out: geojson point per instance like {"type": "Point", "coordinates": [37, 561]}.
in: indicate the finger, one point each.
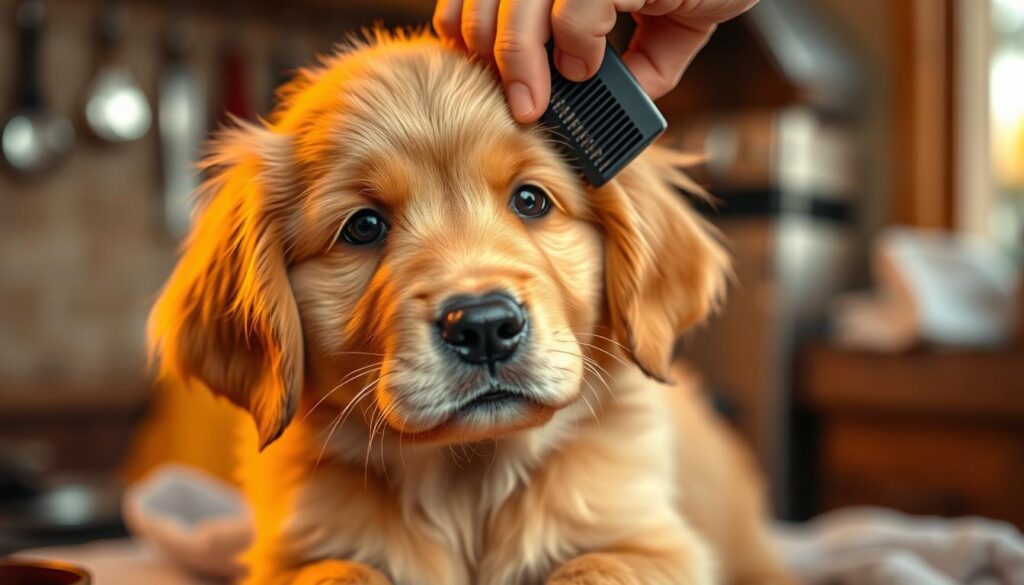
{"type": "Point", "coordinates": [579, 28]}
{"type": "Point", "coordinates": [479, 21]}
{"type": "Point", "coordinates": [523, 28]}
{"type": "Point", "coordinates": [448, 19]}
{"type": "Point", "coordinates": [661, 7]}
{"type": "Point", "coordinates": [661, 49]}
{"type": "Point", "coordinates": [697, 12]}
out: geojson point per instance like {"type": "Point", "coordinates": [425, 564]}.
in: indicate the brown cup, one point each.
{"type": "Point", "coordinates": [33, 572]}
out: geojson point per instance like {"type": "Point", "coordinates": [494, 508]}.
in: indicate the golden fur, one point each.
{"type": "Point", "coordinates": [356, 474]}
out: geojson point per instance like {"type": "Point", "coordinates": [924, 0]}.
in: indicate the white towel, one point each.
{"type": "Point", "coordinates": [873, 546]}
{"type": "Point", "coordinates": [938, 287]}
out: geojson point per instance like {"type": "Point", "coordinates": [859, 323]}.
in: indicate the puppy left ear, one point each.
{"type": "Point", "coordinates": [227, 317]}
{"type": "Point", "coordinates": [664, 269]}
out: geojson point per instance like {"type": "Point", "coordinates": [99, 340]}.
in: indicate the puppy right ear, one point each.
{"type": "Point", "coordinates": [664, 268]}
{"type": "Point", "coordinates": [226, 317]}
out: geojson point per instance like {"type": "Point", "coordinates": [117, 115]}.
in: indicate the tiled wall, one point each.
{"type": "Point", "coordinates": [81, 254]}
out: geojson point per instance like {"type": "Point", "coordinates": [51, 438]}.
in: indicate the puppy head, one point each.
{"type": "Point", "coordinates": [394, 243]}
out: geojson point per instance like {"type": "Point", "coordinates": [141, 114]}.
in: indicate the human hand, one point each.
{"type": "Point", "coordinates": [512, 34]}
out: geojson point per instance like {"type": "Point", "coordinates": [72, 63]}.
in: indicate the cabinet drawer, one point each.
{"type": "Point", "coordinates": [924, 466]}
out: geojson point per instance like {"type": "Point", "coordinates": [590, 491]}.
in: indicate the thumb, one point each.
{"type": "Point", "coordinates": [661, 49]}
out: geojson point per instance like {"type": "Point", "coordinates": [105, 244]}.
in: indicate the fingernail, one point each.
{"type": "Point", "coordinates": [571, 66]}
{"type": "Point", "coordinates": [520, 99]}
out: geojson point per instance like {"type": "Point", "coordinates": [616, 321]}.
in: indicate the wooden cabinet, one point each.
{"type": "Point", "coordinates": [930, 432]}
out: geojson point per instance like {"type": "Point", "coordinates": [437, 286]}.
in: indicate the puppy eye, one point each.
{"type": "Point", "coordinates": [366, 226]}
{"type": "Point", "coordinates": [530, 201]}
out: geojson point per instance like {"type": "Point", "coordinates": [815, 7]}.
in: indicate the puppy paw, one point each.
{"type": "Point", "coordinates": [594, 569]}
{"type": "Point", "coordinates": [609, 568]}
{"type": "Point", "coordinates": [339, 573]}
{"type": "Point", "coordinates": [776, 577]}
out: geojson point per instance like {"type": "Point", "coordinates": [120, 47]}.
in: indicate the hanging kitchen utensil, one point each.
{"type": "Point", "coordinates": [116, 109]}
{"type": "Point", "coordinates": [182, 121]}
{"type": "Point", "coordinates": [34, 137]}
{"type": "Point", "coordinates": [234, 92]}
{"type": "Point", "coordinates": [287, 56]}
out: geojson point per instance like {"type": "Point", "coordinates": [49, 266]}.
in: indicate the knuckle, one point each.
{"type": "Point", "coordinates": [662, 84]}
{"type": "Point", "coordinates": [568, 22]}
{"type": "Point", "coordinates": [443, 24]}
{"type": "Point", "coordinates": [582, 34]}
{"type": "Point", "coordinates": [476, 32]}
{"type": "Point", "coordinates": [511, 43]}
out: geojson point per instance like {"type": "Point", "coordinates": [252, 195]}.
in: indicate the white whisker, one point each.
{"type": "Point", "coordinates": [590, 368]}
{"type": "Point", "coordinates": [589, 334]}
{"type": "Point", "coordinates": [348, 378]}
{"type": "Point", "coordinates": [343, 415]}
{"type": "Point", "coordinates": [604, 351]}
{"type": "Point", "coordinates": [383, 417]}
{"type": "Point", "coordinates": [593, 412]}
{"type": "Point", "coordinates": [337, 353]}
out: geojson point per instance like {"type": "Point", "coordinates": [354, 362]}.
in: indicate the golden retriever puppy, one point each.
{"type": "Point", "coordinates": [456, 355]}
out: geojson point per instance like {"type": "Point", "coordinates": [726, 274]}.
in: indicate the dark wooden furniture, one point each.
{"type": "Point", "coordinates": [932, 432]}
{"type": "Point", "coordinates": [80, 429]}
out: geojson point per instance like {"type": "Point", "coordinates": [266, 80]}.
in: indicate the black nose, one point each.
{"type": "Point", "coordinates": [485, 329]}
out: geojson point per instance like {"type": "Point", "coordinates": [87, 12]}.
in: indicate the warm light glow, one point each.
{"type": "Point", "coordinates": [118, 110]}
{"type": "Point", "coordinates": [20, 148]}
{"type": "Point", "coordinates": [1008, 117]}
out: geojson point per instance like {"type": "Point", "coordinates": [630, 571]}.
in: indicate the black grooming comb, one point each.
{"type": "Point", "coordinates": [604, 122]}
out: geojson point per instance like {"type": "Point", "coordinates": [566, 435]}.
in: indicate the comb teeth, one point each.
{"type": "Point", "coordinates": [603, 123]}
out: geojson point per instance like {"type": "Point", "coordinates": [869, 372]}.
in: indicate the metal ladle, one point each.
{"type": "Point", "coordinates": [34, 138]}
{"type": "Point", "coordinates": [116, 109]}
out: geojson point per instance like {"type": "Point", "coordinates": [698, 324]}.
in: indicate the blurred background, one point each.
{"type": "Point", "coordinates": [867, 157]}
